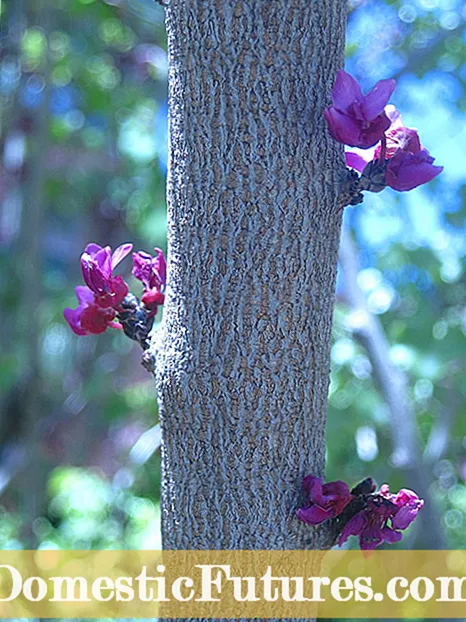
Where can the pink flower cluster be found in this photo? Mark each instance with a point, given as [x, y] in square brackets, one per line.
[362, 121]
[374, 516]
[105, 296]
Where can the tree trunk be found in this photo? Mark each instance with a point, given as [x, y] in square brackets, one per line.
[243, 354]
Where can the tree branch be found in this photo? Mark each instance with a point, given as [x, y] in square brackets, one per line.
[393, 385]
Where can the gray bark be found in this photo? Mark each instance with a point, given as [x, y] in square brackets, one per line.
[253, 232]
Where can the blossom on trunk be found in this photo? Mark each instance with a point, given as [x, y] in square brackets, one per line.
[382, 518]
[97, 264]
[89, 318]
[371, 525]
[152, 272]
[407, 502]
[325, 501]
[400, 161]
[398, 137]
[355, 119]
[406, 170]
[375, 516]
[105, 300]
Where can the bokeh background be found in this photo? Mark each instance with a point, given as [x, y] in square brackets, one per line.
[83, 117]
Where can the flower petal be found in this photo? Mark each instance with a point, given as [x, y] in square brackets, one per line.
[405, 516]
[343, 128]
[406, 171]
[391, 536]
[409, 506]
[404, 496]
[84, 295]
[96, 320]
[371, 134]
[394, 115]
[334, 490]
[312, 486]
[346, 91]
[153, 298]
[120, 253]
[160, 265]
[354, 160]
[142, 268]
[377, 98]
[353, 527]
[313, 515]
[117, 290]
[92, 249]
[73, 317]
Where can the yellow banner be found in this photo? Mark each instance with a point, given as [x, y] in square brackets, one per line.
[232, 584]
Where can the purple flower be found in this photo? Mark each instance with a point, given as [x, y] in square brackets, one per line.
[97, 264]
[404, 164]
[407, 503]
[152, 272]
[371, 523]
[355, 119]
[89, 318]
[374, 516]
[325, 501]
[398, 137]
[406, 170]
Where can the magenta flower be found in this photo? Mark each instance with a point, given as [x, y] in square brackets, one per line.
[97, 264]
[105, 301]
[325, 501]
[406, 170]
[382, 518]
[374, 516]
[89, 318]
[404, 164]
[409, 164]
[371, 524]
[398, 137]
[407, 503]
[152, 272]
[355, 119]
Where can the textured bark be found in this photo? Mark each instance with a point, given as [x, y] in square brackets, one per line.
[253, 234]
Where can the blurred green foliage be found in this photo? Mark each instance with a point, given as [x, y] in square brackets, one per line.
[83, 117]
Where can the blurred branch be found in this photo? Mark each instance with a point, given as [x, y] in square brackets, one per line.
[439, 437]
[14, 459]
[146, 446]
[393, 385]
[141, 452]
[31, 256]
